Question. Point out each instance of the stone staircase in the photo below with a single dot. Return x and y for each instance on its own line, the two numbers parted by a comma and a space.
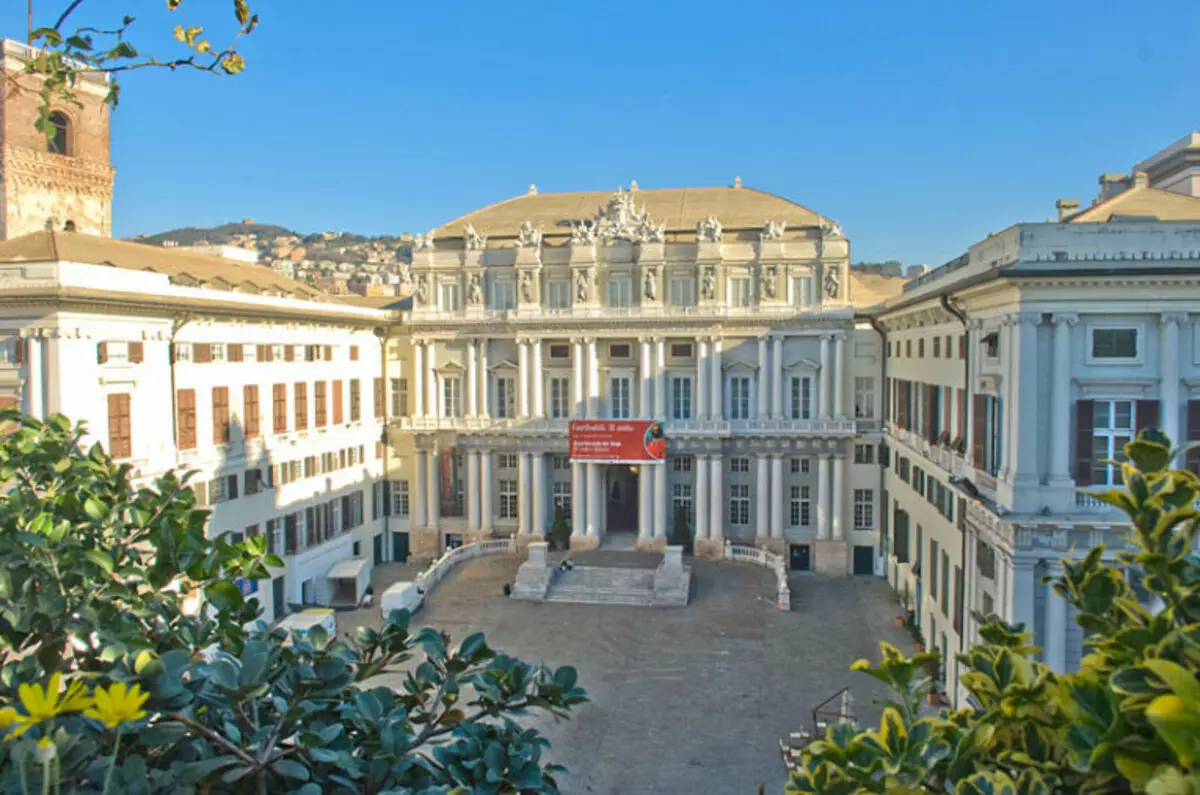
602, 586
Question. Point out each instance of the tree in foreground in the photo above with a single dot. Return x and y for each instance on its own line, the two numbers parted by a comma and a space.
124, 665
560, 534
1129, 721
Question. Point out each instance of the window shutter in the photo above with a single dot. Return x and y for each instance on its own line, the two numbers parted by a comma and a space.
979, 430
289, 353
1083, 442
1146, 414
102, 352
19, 351
202, 352
185, 405
1193, 435
137, 352
928, 409
329, 353
960, 429
337, 402
354, 353
237, 352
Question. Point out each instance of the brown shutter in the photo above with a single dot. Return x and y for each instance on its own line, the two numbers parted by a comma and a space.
319, 403
301, 406
329, 353
960, 430
102, 352
354, 353
250, 408
289, 353
962, 346
137, 352
979, 430
202, 352
1193, 435
1146, 414
185, 409
927, 412
237, 352
378, 398
120, 444
279, 407
337, 402
19, 353
1083, 442
220, 415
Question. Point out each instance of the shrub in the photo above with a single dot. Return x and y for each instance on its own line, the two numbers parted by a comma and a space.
560, 534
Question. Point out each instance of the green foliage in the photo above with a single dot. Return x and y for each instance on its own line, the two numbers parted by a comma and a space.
66, 55
103, 584
681, 532
560, 534
1129, 721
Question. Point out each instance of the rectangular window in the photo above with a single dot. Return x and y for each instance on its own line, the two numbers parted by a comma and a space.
451, 397
378, 401
338, 416
864, 454
355, 400
801, 507
681, 463
739, 465
681, 398
681, 350
237, 352
739, 504
250, 410
681, 497
279, 407
1115, 344
619, 350
1112, 428
739, 292
619, 293
253, 482
220, 414
993, 427
558, 294
559, 351
619, 398
504, 294
202, 352
560, 398
864, 398
801, 398
681, 292
400, 498
864, 509
937, 347
319, 404
562, 496
800, 466
137, 352
120, 428
991, 345
946, 583
102, 353
506, 461
508, 499
739, 398
506, 398
921, 348
802, 290
399, 397
301, 406
560, 463
450, 298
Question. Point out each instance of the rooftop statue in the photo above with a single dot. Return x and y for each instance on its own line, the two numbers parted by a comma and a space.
773, 230
830, 228
709, 230
423, 242
472, 239
583, 232
622, 219
528, 237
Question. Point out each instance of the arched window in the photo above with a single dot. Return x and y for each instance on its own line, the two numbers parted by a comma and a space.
60, 142
69, 226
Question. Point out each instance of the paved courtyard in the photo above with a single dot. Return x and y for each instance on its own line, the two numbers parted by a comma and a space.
689, 700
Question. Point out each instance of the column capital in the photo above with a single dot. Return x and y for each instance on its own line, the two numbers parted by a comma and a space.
1064, 319
1022, 319
825, 336
1174, 318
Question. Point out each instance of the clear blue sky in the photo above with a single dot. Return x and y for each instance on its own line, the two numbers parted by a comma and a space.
919, 126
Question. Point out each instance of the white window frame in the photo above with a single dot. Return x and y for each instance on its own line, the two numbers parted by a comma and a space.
1114, 439
681, 291
506, 461
449, 297
504, 294
864, 397
864, 454
505, 398
800, 466
681, 397
800, 514
399, 397
507, 489
562, 496
739, 464
451, 396
681, 495
1139, 352
560, 397
741, 292
558, 294
800, 397
620, 288
740, 401
619, 387
400, 504
864, 509
801, 287
681, 463
739, 504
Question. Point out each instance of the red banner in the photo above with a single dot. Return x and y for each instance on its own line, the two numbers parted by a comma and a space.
617, 441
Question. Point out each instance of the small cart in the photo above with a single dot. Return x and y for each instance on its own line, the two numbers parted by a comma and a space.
792, 747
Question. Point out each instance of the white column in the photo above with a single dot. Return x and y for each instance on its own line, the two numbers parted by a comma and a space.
524, 487
1022, 585
1060, 400
839, 377
762, 508
538, 494
702, 411
472, 380
593, 407
700, 502
645, 503
483, 379
777, 500
661, 500
823, 497
1168, 412
839, 497
716, 501
718, 402
539, 382
418, 379
420, 517
764, 380
473, 507
486, 487
523, 378
660, 380
1054, 642
1008, 342
823, 398
594, 498
777, 379
36, 380
432, 404
578, 505
577, 354
1023, 419
432, 482
644, 404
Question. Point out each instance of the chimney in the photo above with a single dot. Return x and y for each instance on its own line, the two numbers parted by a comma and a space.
1066, 208
1141, 179
1112, 184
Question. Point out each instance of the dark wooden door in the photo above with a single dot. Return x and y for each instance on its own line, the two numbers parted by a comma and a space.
378, 549
801, 557
864, 560
399, 547
278, 602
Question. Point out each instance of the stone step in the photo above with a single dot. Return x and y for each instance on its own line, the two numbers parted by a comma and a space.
594, 597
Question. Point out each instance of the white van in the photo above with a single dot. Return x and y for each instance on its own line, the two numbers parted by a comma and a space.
303, 622
402, 596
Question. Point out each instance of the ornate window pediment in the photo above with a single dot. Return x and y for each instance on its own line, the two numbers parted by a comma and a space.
503, 364
739, 368
449, 368
802, 365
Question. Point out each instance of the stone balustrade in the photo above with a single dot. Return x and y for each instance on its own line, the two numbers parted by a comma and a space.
764, 557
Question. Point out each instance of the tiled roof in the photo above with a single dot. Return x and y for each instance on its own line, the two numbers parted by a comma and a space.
1142, 201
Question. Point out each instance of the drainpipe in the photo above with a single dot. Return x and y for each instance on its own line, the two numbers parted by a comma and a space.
882, 419
962, 318
382, 334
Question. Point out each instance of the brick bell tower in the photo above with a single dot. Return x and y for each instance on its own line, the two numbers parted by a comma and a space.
65, 183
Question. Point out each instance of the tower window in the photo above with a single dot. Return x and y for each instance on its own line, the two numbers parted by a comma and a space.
59, 141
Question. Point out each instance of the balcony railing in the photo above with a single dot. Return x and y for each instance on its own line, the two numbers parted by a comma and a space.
558, 314
673, 427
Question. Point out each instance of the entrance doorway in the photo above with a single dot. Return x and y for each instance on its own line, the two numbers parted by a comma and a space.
800, 557
621, 499
278, 588
864, 560
399, 547
377, 550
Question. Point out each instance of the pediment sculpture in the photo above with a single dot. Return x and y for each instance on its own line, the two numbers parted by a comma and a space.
708, 286
709, 230
770, 276
773, 230
423, 242
831, 282
619, 219
651, 288
528, 237
830, 228
527, 287
583, 232
474, 290
472, 239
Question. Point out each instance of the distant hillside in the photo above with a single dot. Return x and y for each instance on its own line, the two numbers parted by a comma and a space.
217, 235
